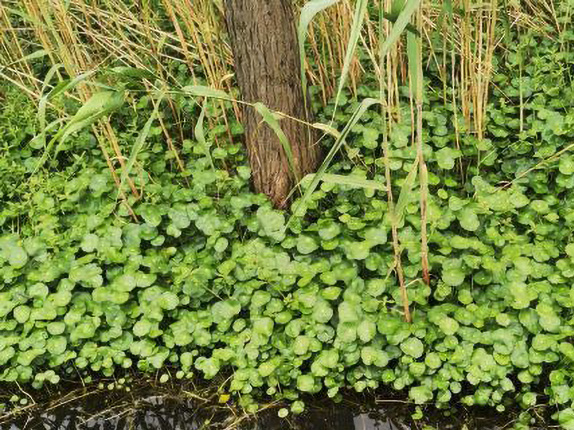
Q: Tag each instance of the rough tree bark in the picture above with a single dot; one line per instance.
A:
(264, 44)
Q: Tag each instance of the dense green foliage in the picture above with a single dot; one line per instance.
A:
(210, 280)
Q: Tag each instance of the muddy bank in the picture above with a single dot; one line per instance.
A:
(162, 407)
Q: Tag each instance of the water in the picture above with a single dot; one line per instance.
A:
(157, 408)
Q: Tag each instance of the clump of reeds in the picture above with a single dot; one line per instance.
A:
(397, 40)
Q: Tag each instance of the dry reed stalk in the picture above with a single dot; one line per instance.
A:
(84, 35)
(416, 84)
(61, 40)
(385, 99)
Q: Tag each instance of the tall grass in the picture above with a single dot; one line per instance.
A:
(156, 34)
(472, 50)
(343, 42)
(151, 34)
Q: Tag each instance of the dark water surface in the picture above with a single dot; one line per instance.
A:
(154, 408)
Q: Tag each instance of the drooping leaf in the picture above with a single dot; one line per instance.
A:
(203, 91)
(308, 12)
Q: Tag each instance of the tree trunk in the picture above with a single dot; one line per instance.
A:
(264, 44)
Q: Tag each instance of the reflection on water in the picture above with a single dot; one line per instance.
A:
(140, 410)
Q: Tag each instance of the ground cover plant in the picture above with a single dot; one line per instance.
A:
(167, 260)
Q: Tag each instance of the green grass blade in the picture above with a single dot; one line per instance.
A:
(69, 84)
(349, 180)
(41, 115)
(203, 91)
(396, 9)
(37, 54)
(361, 109)
(327, 129)
(138, 145)
(406, 194)
(400, 24)
(272, 122)
(25, 17)
(60, 88)
(506, 20)
(308, 12)
(42, 105)
(133, 73)
(358, 18)
(414, 63)
(97, 106)
(200, 134)
(42, 135)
